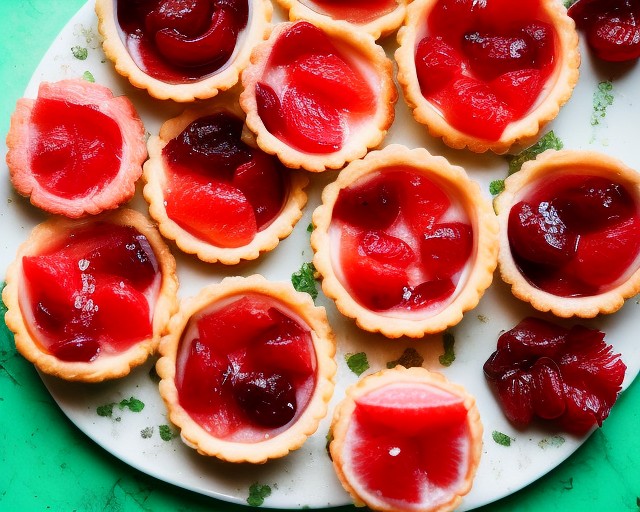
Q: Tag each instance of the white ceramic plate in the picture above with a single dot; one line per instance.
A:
(305, 478)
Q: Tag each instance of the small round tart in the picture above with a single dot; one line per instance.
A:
(487, 75)
(378, 17)
(570, 233)
(318, 98)
(89, 299)
(406, 440)
(404, 241)
(182, 50)
(76, 149)
(247, 369)
(214, 192)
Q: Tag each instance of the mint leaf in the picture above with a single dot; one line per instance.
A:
(410, 358)
(496, 186)
(166, 434)
(500, 438)
(88, 77)
(257, 494)
(80, 53)
(449, 355)
(304, 280)
(548, 141)
(602, 99)
(106, 410)
(357, 363)
(132, 403)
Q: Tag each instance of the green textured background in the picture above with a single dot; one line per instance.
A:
(48, 464)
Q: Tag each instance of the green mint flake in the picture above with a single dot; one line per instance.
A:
(496, 186)
(106, 410)
(449, 355)
(548, 141)
(602, 99)
(304, 280)
(500, 438)
(310, 227)
(569, 3)
(132, 403)
(80, 53)
(88, 76)
(166, 434)
(409, 358)
(257, 494)
(551, 442)
(146, 433)
(357, 363)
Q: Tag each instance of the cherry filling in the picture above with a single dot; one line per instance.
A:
(220, 189)
(322, 94)
(76, 148)
(353, 11)
(484, 64)
(576, 236)
(90, 294)
(568, 376)
(245, 369)
(402, 241)
(179, 41)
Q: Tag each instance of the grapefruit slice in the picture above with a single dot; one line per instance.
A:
(406, 439)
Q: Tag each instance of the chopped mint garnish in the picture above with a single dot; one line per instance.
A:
(146, 433)
(310, 227)
(105, 410)
(409, 358)
(602, 98)
(500, 438)
(88, 77)
(132, 403)
(357, 363)
(449, 355)
(80, 53)
(569, 3)
(304, 280)
(548, 141)
(496, 186)
(166, 434)
(257, 494)
(551, 442)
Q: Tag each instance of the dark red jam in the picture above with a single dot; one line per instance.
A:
(576, 235)
(403, 241)
(353, 11)
(181, 41)
(90, 293)
(484, 64)
(220, 189)
(245, 368)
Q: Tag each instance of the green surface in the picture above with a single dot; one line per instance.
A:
(47, 464)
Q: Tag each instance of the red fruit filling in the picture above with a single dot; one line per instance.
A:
(181, 41)
(245, 369)
(577, 236)
(484, 64)
(397, 255)
(322, 91)
(354, 11)
(77, 149)
(220, 189)
(92, 293)
(568, 376)
(612, 27)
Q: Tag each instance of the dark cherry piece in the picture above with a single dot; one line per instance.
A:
(269, 401)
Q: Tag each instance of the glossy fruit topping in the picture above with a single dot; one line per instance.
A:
(612, 27)
(179, 41)
(321, 91)
(90, 293)
(570, 376)
(578, 236)
(353, 11)
(484, 64)
(245, 368)
(403, 241)
(220, 189)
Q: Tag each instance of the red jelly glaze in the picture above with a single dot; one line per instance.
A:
(484, 63)
(76, 148)
(180, 41)
(88, 293)
(246, 368)
(576, 236)
(353, 11)
(222, 190)
(323, 91)
(398, 255)
(568, 376)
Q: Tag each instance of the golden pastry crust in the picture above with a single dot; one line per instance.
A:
(257, 30)
(301, 305)
(343, 415)
(105, 366)
(156, 178)
(559, 85)
(378, 28)
(368, 134)
(545, 166)
(469, 290)
(78, 92)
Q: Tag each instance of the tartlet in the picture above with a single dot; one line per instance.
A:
(89, 299)
(247, 369)
(405, 242)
